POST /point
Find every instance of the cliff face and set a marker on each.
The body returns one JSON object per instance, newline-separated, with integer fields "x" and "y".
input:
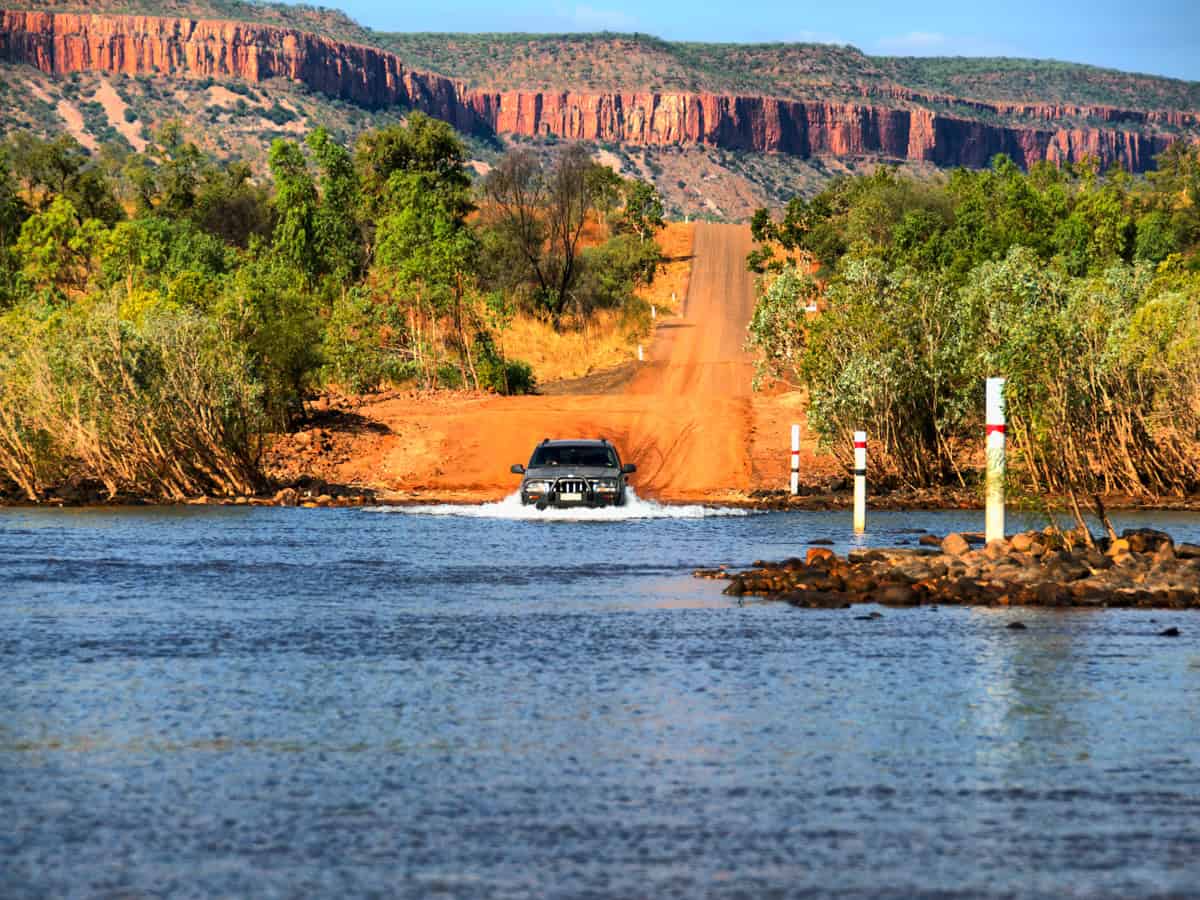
{"x": 59, "y": 43}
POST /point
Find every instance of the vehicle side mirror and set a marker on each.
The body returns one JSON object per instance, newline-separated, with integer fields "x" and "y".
{"x": 517, "y": 469}
{"x": 628, "y": 469}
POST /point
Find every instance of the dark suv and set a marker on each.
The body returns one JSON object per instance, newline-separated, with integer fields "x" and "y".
{"x": 574, "y": 473}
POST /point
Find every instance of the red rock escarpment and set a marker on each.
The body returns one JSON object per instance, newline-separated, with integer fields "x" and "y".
{"x": 59, "y": 43}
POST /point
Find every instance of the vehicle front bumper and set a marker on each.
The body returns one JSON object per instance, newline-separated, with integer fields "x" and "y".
{"x": 588, "y": 499}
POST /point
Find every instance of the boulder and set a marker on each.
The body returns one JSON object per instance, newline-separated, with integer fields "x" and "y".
{"x": 1145, "y": 540}
{"x": 287, "y": 497}
{"x": 819, "y": 555}
{"x": 1165, "y": 552}
{"x": 1022, "y": 542}
{"x": 996, "y": 549}
{"x": 955, "y": 545}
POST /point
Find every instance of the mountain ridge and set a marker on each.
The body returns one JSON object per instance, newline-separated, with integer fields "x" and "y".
{"x": 519, "y": 60}
{"x": 895, "y": 124}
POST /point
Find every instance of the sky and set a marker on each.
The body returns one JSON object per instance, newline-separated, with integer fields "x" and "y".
{"x": 1160, "y": 37}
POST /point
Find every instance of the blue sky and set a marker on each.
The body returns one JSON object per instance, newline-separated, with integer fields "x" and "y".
{"x": 1161, "y": 37}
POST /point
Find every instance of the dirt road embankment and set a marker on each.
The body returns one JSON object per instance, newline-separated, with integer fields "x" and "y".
{"x": 687, "y": 416}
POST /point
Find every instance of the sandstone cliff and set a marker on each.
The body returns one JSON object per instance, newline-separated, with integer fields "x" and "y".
{"x": 902, "y": 125}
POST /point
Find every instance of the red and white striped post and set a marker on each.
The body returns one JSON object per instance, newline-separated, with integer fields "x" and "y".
{"x": 795, "y": 460}
{"x": 995, "y": 459}
{"x": 860, "y": 481}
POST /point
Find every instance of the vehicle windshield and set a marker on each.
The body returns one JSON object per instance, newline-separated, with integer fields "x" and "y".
{"x": 569, "y": 455}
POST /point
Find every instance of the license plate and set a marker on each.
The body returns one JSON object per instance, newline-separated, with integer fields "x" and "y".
{"x": 569, "y": 497}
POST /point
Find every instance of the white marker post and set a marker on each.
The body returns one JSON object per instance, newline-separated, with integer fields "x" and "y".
{"x": 640, "y": 354}
{"x": 995, "y": 459}
{"x": 795, "y": 460}
{"x": 653, "y": 312}
{"x": 860, "y": 481}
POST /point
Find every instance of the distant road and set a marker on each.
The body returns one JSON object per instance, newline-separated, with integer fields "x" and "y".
{"x": 688, "y": 418}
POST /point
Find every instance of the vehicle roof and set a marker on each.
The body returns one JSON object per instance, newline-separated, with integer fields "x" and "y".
{"x": 576, "y": 442}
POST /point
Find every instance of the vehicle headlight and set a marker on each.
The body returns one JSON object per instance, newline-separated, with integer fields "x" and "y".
{"x": 605, "y": 485}
{"x": 537, "y": 487}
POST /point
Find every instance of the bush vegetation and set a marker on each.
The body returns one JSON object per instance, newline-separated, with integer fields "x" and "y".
{"x": 1082, "y": 290}
{"x": 160, "y": 313}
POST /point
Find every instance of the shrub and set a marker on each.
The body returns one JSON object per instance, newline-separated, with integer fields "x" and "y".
{"x": 161, "y": 408}
{"x": 498, "y": 374}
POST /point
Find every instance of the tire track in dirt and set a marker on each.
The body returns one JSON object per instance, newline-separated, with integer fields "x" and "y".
{"x": 694, "y": 432}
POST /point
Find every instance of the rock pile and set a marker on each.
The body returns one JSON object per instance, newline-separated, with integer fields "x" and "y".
{"x": 1143, "y": 568}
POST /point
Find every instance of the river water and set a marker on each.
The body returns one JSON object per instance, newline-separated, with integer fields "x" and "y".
{"x": 464, "y": 703}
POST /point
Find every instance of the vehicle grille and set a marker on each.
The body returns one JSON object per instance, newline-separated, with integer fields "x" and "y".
{"x": 571, "y": 486}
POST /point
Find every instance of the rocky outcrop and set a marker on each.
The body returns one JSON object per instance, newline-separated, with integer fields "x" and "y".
{"x": 1143, "y": 568}
{"x": 902, "y": 125}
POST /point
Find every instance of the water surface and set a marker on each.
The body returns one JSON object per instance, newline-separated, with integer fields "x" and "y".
{"x": 279, "y": 702}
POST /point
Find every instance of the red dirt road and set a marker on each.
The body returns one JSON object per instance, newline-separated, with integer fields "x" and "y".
{"x": 689, "y": 418}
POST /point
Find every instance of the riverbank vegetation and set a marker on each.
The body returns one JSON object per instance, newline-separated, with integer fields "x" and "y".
{"x": 160, "y": 314}
{"x": 1081, "y": 288}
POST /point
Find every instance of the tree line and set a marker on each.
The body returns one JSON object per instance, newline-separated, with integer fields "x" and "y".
{"x": 161, "y": 313}
{"x": 1082, "y": 288}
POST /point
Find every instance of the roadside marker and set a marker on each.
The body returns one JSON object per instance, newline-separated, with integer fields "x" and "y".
{"x": 640, "y": 355}
{"x": 653, "y": 312}
{"x": 860, "y": 481}
{"x": 795, "y": 460}
{"x": 995, "y": 459}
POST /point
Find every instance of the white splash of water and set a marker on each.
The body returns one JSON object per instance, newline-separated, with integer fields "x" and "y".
{"x": 511, "y": 508}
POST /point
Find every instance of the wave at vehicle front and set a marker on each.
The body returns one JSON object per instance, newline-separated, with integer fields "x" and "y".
{"x": 511, "y": 508}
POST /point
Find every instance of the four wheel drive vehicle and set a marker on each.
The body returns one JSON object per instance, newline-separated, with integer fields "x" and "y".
{"x": 574, "y": 473}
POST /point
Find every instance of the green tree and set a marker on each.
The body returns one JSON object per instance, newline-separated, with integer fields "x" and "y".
{"x": 271, "y": 312}
{"x": 422, "y": 144}
{"x": 643, "y": 212}
{"x": 166, "y": 177}
{"x": 424, "y": 244}
{"x": 231, "y": 206}
{"x": 336, "y": 235}
{"x": 607, "y": 188}
{"x": 56, "y": 249}
{"x": 296, "y": 205}
{"x": 1156, "y": 237}
{"x": 777, "y": 329}
{"x": 61, "y": 168}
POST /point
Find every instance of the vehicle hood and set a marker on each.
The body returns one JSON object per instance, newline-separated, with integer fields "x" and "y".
{"x": 549, "y": 473}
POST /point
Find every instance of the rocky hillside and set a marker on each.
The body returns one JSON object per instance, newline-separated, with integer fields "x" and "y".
{"x": 808, "y": 102}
